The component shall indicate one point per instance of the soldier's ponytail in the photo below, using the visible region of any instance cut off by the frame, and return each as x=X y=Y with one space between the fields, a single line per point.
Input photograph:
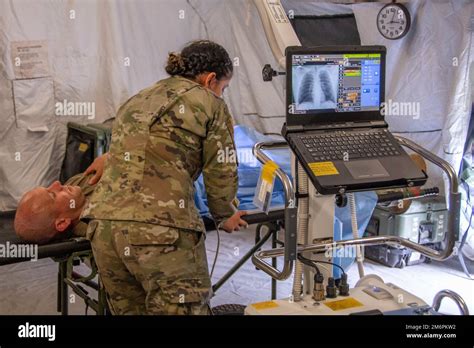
x=199 y=57
x=175 y=65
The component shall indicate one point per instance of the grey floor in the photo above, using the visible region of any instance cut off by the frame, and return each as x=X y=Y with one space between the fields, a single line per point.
x=30 y=287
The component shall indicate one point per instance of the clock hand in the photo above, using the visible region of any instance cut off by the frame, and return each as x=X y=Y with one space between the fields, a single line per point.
x=391 y=21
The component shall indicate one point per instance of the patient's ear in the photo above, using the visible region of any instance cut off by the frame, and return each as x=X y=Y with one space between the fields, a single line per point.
x=62 y=224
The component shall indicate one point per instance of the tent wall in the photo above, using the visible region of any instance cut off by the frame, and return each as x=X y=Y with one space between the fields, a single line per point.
x=103 y=52
x=430 y=65
x=88 y=58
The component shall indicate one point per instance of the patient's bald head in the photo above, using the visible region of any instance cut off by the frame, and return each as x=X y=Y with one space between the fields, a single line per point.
x=45 y=212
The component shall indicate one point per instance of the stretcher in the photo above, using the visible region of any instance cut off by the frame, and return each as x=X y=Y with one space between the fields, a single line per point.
x=71 y=252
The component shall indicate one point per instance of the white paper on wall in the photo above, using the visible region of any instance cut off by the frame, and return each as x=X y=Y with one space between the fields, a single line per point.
x=30 y=59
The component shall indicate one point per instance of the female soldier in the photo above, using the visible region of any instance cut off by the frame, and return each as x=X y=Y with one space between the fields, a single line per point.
x=146 y=233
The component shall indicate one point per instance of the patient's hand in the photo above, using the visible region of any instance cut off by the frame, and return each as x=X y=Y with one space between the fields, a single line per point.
x=96 y=167
x=234 y=223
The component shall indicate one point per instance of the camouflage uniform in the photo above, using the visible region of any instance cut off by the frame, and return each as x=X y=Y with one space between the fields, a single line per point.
x=147 y=235
x=82 y=181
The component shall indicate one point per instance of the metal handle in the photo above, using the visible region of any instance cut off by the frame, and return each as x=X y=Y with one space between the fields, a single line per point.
x=453 y=217
x=453 y=296
x=289 y=251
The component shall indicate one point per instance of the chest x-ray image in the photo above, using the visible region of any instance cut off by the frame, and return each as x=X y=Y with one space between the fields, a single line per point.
x=315 y=87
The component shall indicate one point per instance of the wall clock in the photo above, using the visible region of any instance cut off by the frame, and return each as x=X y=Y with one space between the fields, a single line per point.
x=393 y=21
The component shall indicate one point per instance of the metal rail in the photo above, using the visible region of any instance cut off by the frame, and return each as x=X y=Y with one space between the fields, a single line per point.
x=289 y=250
x=454 y=201
x=453 y=296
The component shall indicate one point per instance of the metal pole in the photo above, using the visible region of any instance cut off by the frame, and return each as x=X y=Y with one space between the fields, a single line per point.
x=239 y=264
x=453 y=219
x=290 y=216
x=63 y=287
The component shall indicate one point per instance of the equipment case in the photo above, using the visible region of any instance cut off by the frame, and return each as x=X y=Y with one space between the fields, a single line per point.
x=424 y=222
x=84 y=143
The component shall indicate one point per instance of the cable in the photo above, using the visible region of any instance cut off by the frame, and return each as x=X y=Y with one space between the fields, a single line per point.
x=305 y=260
x=217 y=249
x=333 y=264
x=308 y=262
x=324 y=268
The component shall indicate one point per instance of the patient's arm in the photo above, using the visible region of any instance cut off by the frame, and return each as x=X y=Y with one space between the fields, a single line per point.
x=97 y=167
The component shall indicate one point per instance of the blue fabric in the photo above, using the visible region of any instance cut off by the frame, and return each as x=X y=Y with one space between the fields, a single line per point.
x=249 y=172
x=365 y=205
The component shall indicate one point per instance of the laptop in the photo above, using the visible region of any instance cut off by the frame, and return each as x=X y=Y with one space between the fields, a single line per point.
x=335 y=124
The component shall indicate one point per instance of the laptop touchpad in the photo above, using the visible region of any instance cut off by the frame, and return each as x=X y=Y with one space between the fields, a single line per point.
x=366 y=169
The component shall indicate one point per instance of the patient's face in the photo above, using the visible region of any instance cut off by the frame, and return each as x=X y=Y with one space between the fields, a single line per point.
x=60 y=201
x=67 y=200
x=45 y=212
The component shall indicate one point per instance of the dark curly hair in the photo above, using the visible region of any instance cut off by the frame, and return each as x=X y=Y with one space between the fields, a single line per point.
x=199 y=57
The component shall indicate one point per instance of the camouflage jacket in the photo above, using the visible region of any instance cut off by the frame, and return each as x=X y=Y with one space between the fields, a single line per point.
x=162 y=139
x=82 y=181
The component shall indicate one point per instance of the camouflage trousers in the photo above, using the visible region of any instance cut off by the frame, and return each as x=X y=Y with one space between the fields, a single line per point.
x=151 y=269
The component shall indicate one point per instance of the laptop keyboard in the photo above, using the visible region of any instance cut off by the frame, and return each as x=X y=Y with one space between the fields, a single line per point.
x=350 y=145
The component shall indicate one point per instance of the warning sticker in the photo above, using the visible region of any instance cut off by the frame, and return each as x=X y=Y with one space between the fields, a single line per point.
x=264 y=305
x=323 y=168
x=268 y=171
x=264 y=188
x=347 y=303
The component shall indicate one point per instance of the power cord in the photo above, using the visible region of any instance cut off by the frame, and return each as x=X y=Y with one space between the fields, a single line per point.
x=309 y=263
x=217 y=249
x=306 y=261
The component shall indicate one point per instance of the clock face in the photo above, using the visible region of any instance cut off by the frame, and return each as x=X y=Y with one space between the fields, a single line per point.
x=393 y=21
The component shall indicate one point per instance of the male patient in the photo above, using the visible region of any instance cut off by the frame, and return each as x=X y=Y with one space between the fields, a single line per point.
x=49 y=213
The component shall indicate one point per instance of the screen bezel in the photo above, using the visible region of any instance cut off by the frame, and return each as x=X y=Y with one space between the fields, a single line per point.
x=333 y=117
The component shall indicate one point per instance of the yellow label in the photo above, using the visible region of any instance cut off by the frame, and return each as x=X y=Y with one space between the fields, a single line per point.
x=83 y=147
x=268 y=171
x=264 y=305
x=323 y=168
x=349 y=302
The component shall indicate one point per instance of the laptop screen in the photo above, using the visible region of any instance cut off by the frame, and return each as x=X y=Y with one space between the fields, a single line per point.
x=335 y=83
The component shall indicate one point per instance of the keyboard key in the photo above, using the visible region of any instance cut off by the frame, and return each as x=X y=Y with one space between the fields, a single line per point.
x=339 y=145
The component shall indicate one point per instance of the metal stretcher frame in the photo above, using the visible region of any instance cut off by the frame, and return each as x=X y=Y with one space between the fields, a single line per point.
x=71 y=252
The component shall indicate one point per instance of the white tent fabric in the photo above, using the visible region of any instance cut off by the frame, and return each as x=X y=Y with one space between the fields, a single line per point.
x=429 y=66
x=100 y=52
x=103 y=52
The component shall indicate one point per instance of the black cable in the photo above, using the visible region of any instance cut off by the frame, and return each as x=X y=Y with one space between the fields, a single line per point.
x=308 y=262
x=217 y=249
x=334 y=264
x=303 y=259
